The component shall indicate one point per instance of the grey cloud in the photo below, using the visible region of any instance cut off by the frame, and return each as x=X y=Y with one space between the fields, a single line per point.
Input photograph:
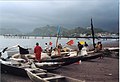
x=68 y=13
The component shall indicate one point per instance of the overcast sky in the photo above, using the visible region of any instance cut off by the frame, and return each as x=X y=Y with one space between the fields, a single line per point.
x=66 y=13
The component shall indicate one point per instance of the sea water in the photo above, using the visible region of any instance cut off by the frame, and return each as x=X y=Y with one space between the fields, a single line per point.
x=31 y=41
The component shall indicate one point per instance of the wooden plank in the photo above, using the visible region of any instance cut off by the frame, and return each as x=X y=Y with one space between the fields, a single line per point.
x=41 y=73
x=55 y=77
x=30 y=69
x=38 y=70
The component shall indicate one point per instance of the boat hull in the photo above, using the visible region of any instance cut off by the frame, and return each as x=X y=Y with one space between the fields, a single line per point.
x=13 y=70
x=36 y=78
x=77 y=58
x=10 y=69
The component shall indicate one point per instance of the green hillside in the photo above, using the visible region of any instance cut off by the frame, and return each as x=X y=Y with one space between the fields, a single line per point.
x=52 y=31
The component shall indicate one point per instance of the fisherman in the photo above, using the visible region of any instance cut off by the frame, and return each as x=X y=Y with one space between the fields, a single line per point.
x=80 y=46
x=59 y=49
x=37 y=51
x=46 y=47
x=54 y=52
x=50 y=51
x=84 y=51
x=86 y=45
x=98 y=47
x=50 y=47
x=60 y=46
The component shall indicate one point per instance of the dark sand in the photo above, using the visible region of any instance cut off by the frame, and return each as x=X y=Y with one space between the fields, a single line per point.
x=12 y=78
x=97 y=70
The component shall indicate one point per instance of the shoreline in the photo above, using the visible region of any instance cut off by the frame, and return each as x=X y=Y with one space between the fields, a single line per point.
x=104 y=44
x=97 y=70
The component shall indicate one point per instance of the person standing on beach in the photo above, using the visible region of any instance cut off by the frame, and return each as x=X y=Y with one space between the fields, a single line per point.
x=59 y=49
x=98 y=47
x=37 y=51
x=50 y=47
x=84 y=49
x=86 y=45
x=80 y=46
x=46 y=47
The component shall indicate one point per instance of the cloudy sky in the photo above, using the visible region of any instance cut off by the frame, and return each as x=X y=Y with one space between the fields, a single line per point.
x=30 y=14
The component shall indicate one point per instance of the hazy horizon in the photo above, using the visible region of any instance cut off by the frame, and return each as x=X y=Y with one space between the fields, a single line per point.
x=28 y=15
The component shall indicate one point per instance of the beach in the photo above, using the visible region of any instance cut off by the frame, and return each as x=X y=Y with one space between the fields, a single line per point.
x=96 y=70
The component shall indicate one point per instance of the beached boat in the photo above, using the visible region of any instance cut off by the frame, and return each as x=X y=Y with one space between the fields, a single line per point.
x=52 y=64
x=74 y=58
x=48 y=64
x=116 y=49
x=111 y=52
x=18 y=68
x=14 y=70
x=43 y=76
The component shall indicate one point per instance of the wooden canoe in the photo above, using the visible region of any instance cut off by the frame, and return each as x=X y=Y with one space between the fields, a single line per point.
x=75 y=58
x=10 y=69
x=41 y=76
x=19 y=68
x=65 y=61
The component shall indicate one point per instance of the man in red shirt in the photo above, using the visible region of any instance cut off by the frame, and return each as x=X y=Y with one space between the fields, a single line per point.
x=37 y=51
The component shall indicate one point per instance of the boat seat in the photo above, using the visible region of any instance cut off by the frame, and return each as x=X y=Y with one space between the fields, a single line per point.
x=34 y=69
x=54 y=77
x=42 y=70
x=41 y=73
x=37 y=70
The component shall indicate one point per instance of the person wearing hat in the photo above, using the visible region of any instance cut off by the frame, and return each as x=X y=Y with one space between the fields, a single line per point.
x=80 y=46
x=37 y=51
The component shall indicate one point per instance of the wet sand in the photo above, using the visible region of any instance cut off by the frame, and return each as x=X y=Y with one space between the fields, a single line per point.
x=97 y=70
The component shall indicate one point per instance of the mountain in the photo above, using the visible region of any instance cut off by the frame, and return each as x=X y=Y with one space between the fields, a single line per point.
x=48 y=31
x=9 y=31
x=52 y=31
